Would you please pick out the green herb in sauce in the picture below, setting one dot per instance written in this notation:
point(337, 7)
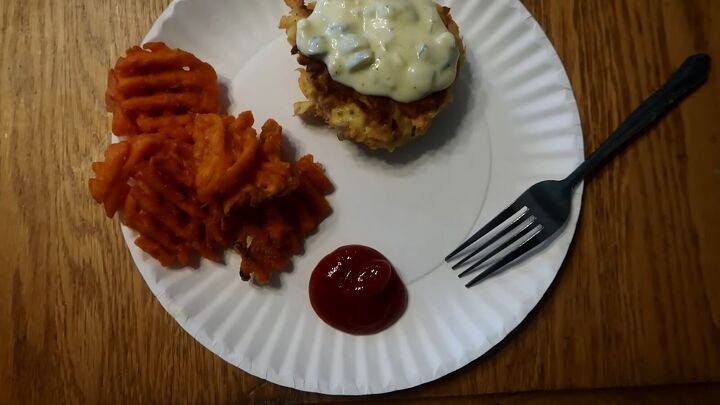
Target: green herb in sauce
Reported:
point(394, 48)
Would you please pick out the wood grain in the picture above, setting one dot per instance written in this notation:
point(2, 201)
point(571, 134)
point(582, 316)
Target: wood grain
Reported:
point(636, 304)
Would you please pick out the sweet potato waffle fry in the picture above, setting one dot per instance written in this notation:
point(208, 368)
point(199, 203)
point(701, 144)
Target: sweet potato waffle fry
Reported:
point(225, 150)
point(156, 89)
point(193, 182)
point(272, 233)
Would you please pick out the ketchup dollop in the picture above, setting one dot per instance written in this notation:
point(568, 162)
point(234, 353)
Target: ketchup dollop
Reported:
point(355, 289)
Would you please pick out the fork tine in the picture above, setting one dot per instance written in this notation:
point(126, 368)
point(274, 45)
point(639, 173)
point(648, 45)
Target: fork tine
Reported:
point(499, 219)
point(528, 245)
point(525, 230)
point(505, 231)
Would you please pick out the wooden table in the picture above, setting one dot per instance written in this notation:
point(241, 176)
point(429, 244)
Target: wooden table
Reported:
point(634, 315)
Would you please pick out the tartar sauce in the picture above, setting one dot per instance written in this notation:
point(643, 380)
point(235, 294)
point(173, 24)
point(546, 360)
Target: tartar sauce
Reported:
point(394, 48)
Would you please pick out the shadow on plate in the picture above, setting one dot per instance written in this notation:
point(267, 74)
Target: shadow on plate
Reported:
point(224, 96)
point(518, 329)
point(443, 130)
point(276, 279)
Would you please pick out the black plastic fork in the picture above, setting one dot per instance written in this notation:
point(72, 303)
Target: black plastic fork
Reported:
point(543, 209)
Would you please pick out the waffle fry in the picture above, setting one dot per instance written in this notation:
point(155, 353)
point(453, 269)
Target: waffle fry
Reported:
point(272, 177)
point(158, 89)
point(225, 150)
point(193, 182)
point(277, 229)
point(109, 187)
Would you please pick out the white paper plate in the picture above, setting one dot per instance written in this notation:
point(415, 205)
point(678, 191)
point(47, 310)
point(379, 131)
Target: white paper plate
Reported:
point(514, 122)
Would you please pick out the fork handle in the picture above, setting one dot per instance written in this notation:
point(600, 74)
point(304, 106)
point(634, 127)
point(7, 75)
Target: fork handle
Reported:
point(691, 75)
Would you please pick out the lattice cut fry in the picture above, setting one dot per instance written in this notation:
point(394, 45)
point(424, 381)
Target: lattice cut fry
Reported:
point(193, 182)
point(109, 186)
point(158, 89)
point(225, 150)
point(271, 140)
point(314, 174)
point(282, 224)
point(108, 171)
point(169, 213)
point(271, 177)
point(178, 127)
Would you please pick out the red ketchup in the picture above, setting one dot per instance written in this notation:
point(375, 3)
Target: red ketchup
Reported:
point(355, 289)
